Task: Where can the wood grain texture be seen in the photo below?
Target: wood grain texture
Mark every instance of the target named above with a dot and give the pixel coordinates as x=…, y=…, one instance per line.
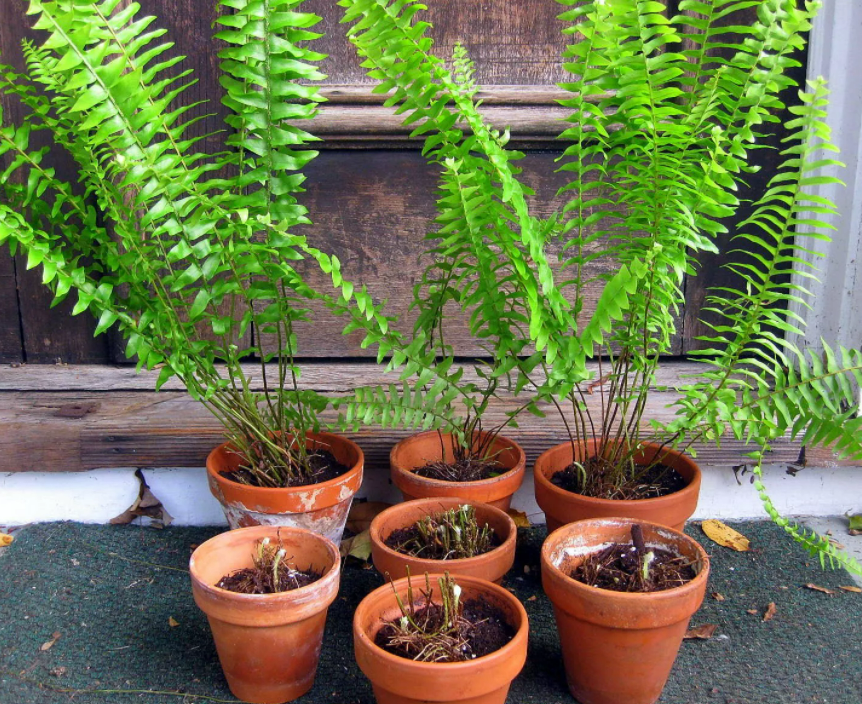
x=48, y=333
x=515, y=43
x=78, y=417
x=372, y=209
x=11, y=349
x=712, y=273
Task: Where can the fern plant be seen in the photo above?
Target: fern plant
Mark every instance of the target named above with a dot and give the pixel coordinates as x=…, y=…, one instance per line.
x=183, y=251
x=665, y=112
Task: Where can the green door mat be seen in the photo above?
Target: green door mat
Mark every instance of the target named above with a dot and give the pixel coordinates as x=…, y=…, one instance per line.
x=94, y=614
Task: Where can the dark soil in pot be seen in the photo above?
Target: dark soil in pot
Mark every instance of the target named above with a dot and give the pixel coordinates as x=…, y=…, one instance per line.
x=323, y=467
x=619, y=567
x=482, y=629
x=411, y=541
x=272, y=571
x=650, y=481
x=467, y=470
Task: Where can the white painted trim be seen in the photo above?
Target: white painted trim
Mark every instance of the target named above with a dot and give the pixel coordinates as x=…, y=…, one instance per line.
x=99, y=495
x=835, y=52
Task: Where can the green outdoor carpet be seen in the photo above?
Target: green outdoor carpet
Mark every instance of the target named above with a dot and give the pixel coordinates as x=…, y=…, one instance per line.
x=111, y=594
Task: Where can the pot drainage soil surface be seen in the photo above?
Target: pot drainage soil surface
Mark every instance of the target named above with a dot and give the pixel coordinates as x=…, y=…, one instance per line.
x=109, y=608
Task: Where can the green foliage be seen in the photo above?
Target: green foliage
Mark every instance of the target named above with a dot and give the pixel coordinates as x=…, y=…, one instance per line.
x=664, y=114
x=183, y=250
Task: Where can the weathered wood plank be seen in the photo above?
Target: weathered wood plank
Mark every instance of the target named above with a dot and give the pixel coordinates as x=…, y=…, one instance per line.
x=373, y=209
x=517, y=43
x=325, y=377
x=48, y=333
x=11, y=349
x=712, y=274
x=77, y=418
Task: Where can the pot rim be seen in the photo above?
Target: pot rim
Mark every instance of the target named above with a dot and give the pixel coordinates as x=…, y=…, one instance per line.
x=378, y=539
x=584, y=524
x=264, y=491
x=452, y=667
x=692, y=486
x=520, y=465
x=332, y=573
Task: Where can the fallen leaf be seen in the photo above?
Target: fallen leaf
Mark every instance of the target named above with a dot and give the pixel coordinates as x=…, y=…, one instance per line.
x=58, y=671
x=704, y=632
x=519, y=517
x=753, y=612
x=817, y=588
x=47, y=645
x=770, y=612
x=361, y=514
x=854, y=532
x=855, y=522
x=840, y=546
x=359, y=546
x=145, y=505
x=717, y=596
x=724, y=535
x=5, y=539
x=855, y=590
x=532, y=598
x=172, y=622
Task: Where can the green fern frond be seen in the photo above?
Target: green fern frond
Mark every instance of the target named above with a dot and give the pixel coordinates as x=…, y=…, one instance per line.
x=261, y=68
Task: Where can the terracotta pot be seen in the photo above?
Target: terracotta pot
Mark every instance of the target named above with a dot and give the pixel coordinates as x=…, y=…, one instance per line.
x=397, y=680
x=561, y=506
x=321, y=508
x=491, y=565
x=618, y=648
x=268, y=644
x=418, y=450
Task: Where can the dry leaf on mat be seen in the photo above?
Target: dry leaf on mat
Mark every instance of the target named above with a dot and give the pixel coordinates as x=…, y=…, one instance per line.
x=47, y=645
x=770, y=612
x=723, y=534
x=361, y=515
x=856, y=590
x=5, y=539
x=359, y=546
x=519, y=517
x=172, y=622
x=704, y=632
x=818, y=588
x=717, y=596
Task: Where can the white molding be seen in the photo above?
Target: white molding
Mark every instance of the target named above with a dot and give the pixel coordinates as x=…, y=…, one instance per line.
x=835, y=52
x=99, y=495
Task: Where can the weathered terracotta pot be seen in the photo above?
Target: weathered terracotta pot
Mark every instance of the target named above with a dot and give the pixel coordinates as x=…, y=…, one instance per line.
x=397, y=680
x=417, y=450
x=268, y=644
x=321, y=508
x=618, y=648
x=491, y=565
x=561, y=506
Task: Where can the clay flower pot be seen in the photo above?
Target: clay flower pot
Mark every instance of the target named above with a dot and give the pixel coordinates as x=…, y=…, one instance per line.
x=418, y=450
x=618, y=648
x=321, y=508
x=561, y=506
x=268, y=644
x=397, y=680
x=491, y=565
